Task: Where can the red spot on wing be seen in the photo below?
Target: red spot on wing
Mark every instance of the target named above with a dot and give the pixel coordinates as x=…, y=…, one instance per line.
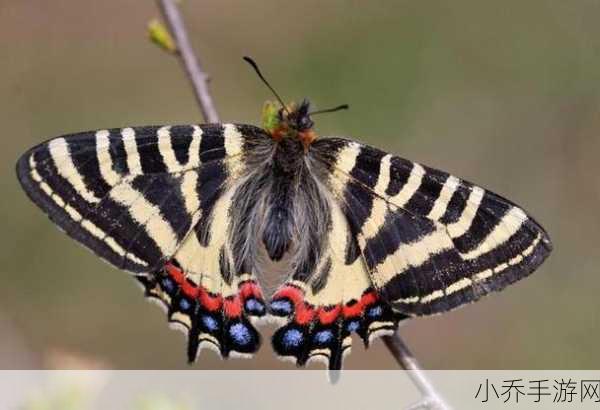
x=209, y=301
x=292, y=293
x=304, y=313
x=174, y=272
x=353, y=310
x=357, y=308
x=249, y=289
x=369, y=298
x=329, y=315
x=188, y=288
x=232, y=306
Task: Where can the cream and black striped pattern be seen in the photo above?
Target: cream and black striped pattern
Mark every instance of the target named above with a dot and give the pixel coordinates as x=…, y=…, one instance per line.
x=431, y=241
x=132, y=195
x=369, y=238
x=156, y=201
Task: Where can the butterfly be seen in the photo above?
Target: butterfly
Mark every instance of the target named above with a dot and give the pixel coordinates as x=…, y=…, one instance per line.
x=202, y=214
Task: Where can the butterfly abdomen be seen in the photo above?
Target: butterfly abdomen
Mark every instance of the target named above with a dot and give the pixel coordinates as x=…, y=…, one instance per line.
x=281, y=206
x=282, y=172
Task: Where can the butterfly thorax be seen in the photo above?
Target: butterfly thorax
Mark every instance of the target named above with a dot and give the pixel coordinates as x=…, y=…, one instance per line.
x=292, y=122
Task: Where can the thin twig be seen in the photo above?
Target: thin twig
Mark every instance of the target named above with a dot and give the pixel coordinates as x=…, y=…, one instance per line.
x=192, y=65
x=198, y=78
x=431, y=399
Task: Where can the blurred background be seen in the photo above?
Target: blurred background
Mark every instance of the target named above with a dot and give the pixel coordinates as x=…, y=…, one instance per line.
x=506, y=95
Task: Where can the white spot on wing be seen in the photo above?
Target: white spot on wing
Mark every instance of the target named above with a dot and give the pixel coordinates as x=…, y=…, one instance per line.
x=104, y=159
x=346, y=160
x=376, y=218
x=189, y=192
x=133, y=156
x=384, y=175
x=165, y=147
x=233, y=140
x=194, y=149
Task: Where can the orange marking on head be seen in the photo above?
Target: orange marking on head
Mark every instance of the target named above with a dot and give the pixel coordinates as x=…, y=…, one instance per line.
x=307, y=137
x=278, y=133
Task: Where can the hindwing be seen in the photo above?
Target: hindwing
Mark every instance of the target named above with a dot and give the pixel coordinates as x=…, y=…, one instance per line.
x=431, y=241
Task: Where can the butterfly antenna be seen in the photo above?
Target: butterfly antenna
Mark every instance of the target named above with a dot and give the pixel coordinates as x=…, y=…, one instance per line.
x=338, y=108
x=255, y=67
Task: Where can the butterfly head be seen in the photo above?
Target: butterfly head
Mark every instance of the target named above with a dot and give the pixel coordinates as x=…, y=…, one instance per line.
x=291, y=121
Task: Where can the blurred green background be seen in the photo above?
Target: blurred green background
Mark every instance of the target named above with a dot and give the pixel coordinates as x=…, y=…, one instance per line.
x=505, y=94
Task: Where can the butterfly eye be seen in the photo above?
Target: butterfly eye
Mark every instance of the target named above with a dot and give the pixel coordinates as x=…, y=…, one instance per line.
x=305, y=123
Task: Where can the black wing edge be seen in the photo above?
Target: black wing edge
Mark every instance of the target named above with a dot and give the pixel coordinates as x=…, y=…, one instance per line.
x=61, y=218
x=542, y=247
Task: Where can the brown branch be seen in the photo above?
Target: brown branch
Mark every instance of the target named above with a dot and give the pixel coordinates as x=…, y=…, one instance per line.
x=193, y=68
x=199, y=80
x=431, y=399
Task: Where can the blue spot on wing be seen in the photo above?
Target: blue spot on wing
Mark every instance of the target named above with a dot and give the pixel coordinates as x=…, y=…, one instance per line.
x=168, y=285
x=281, y=307
x=184, y=304
x=254, y=306
x=323, y=336
x=240, y=334
x=292, y=338
x=353, y=326
x=209, y=323
x=375, y=311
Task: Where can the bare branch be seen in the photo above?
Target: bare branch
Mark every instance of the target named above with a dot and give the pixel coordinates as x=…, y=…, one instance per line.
x=431, y=399
x=193, y=68
x=199, y=79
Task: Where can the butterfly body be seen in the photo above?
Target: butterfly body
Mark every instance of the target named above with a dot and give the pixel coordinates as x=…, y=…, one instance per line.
x=202, y=213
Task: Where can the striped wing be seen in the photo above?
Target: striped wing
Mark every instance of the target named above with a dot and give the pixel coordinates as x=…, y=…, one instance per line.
x=431, y=241
x=131, y=195
x=155, y=201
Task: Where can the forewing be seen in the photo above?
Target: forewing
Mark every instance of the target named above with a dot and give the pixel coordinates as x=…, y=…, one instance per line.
x=131, y=195
x=431, y=241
